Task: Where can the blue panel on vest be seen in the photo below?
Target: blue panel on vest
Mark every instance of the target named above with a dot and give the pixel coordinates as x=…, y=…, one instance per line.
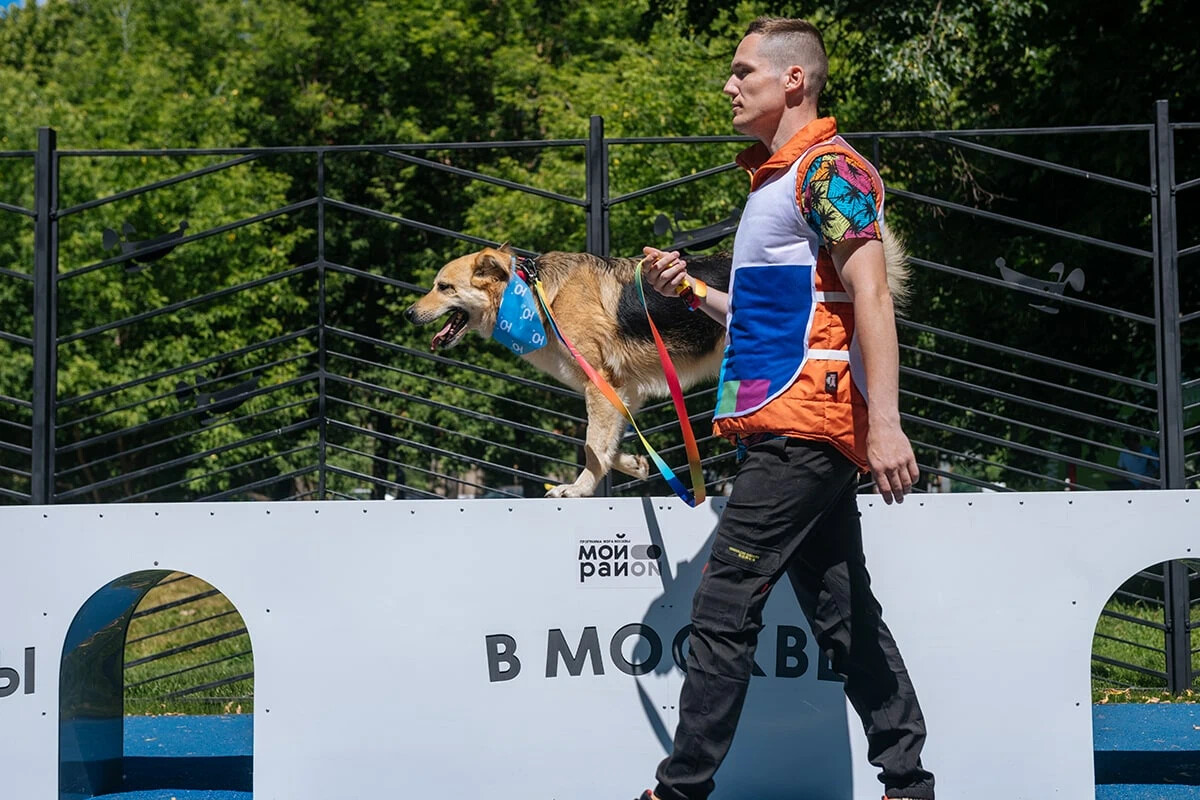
x=768, y=336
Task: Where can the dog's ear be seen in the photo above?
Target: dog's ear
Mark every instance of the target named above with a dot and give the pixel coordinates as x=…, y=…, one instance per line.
x=493, y=264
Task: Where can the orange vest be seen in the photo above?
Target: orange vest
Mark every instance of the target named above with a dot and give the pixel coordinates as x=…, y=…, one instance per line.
x=791, y=366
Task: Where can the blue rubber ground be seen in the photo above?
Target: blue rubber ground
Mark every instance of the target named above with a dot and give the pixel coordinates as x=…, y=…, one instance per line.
x=1143, y=752
x=1147, y=751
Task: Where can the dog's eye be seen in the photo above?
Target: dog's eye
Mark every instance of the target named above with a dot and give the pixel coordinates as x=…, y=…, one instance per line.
x=448, y=288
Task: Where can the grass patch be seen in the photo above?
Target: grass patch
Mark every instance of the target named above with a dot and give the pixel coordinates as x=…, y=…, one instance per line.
x=1138, y=645
x=191, y=655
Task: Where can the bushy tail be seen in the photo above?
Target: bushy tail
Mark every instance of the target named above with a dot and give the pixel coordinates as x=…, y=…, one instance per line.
x=898, y=269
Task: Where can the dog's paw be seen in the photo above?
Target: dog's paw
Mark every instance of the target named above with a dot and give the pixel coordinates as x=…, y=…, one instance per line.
x=569, y=490
x=634, y=466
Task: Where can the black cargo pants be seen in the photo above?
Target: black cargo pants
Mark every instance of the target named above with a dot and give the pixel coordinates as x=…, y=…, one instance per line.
x=793, y=509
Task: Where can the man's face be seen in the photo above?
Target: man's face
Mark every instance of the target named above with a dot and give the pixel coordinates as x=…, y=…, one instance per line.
x=756, y=90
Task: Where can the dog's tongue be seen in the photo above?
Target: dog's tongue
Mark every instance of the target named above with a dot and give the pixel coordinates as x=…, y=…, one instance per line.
x=437, y=337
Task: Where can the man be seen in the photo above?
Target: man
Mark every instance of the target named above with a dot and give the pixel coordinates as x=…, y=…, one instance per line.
x=811, y=336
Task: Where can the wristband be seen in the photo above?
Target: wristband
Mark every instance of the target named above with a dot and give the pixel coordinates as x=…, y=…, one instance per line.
x=692, y=293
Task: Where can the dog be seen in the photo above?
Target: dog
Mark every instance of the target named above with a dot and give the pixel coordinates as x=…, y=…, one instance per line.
x=596, y=304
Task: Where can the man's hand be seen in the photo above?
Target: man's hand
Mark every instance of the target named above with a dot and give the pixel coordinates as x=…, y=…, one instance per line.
x=893, y=465
x=665, y=270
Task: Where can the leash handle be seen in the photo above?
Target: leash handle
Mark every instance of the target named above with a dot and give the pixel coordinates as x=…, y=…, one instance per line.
x=693, y=497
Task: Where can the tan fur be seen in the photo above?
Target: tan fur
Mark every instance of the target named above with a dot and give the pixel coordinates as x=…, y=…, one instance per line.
x=583, y=292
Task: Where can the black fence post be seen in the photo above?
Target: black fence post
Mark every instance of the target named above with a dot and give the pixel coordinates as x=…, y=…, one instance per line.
x=1176, y=595
x=45, y=317
x=322, y=426
x=597, y=216
x=1166, y=279
x=597, y=189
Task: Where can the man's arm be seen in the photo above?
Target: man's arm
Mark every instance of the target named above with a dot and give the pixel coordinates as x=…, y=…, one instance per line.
x=665, y=270
x=860, y=263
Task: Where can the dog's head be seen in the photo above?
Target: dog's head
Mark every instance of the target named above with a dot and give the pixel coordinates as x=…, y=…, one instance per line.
x=469, y=289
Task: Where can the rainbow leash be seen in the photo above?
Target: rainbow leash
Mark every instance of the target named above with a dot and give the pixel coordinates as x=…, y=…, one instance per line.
x=694, y=496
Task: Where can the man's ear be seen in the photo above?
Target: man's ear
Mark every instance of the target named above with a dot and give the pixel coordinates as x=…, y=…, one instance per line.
x=493, y=264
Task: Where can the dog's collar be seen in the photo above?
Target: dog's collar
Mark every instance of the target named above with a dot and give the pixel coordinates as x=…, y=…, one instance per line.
x=525, y=268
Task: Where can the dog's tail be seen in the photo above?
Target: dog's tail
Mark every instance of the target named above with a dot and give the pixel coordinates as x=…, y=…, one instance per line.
x=899, y=271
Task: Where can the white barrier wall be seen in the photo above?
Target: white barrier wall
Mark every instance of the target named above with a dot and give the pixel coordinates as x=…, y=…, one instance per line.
x=524, y=649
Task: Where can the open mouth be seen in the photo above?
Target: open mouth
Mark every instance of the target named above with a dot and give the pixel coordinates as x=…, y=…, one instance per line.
x=452, y=332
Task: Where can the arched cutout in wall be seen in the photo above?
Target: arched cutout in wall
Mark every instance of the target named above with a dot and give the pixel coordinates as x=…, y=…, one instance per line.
x=1141, y=650
x=164, y=616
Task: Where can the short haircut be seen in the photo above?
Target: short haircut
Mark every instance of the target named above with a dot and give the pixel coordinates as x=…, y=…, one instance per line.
x=794, y=41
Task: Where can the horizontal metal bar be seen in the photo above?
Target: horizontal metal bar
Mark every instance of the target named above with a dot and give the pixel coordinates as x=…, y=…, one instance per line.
x=1050, y=165
x=184, y=648
x=411, y=223
x=359, y=476
x=440, y=451
x=22, y=497
x=1158, y=626
x=18, y=153
x=1137, y=645
x=483, y=178
x=318, y=149
x=1039, y=382
x=175, y=462
x=1019, y=223
x=1181, y=187
x=929, y=469
x=385, y=280
x=28, y=212
x=111, y=435
x=466, y=412
x=150, y=187
x=16, y=401
x=399, y=348
x=204, y=687
x=194, y=301
x=13, y=471
x=146, y=612
x=1016, y=398
x=1012, y=351
x=239, y=465
x=64, y=424
x=438, y=429
x=247, y=487
x=1004, y=443
x=1189, y=251
x=720, y=139
x=1016, y=287
x=1131, y=667
x=185, y=670
x=15, y=448
x=937, y=134
x=391, y=484
x=1007, y=468
x=671, y=184
x=469, y=389
x=12, y=273
x=177, y=628
x=194, y=237
x=24, y=341
x=241, y=351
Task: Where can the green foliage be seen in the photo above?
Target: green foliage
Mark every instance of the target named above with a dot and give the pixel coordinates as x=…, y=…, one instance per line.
x=223, y=73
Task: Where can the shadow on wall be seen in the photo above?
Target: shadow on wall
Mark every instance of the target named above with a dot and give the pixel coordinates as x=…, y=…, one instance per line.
x=92, y=757
x=795, y=711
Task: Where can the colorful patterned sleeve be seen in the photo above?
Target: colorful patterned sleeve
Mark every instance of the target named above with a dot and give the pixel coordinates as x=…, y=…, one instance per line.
x=840, y=199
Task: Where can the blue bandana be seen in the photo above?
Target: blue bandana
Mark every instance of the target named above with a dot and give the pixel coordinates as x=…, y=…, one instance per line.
x=518, y=324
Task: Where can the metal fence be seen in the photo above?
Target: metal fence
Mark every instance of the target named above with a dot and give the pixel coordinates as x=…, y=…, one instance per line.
x=210, y=324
